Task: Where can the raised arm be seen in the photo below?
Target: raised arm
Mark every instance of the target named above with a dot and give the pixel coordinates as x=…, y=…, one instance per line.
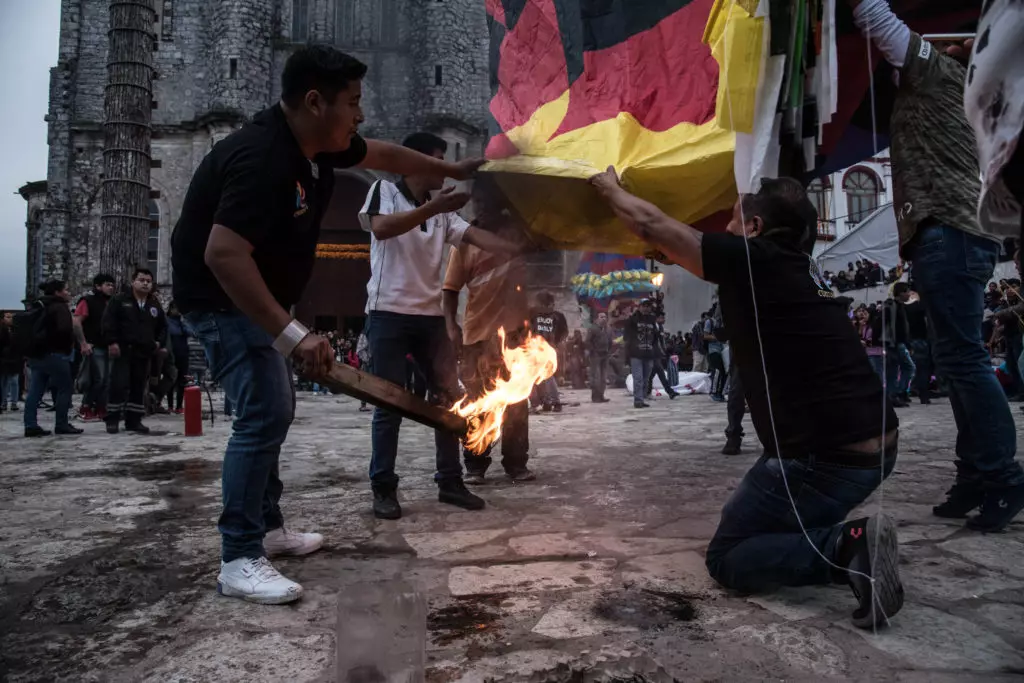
x=889, y=34
x=680, y=242
x=387, y=225
x=387, y=156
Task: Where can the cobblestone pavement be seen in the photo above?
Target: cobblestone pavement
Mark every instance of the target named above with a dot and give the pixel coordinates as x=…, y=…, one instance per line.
x=109, y=557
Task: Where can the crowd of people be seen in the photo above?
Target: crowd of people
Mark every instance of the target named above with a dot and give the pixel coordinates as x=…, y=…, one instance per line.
x=863, y=273
x=123, y=352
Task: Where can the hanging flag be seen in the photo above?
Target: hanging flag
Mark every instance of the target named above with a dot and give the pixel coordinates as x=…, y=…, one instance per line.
x=579, y=86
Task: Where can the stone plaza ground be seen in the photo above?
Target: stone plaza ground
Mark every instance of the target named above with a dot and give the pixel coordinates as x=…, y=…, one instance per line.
x=594, y=572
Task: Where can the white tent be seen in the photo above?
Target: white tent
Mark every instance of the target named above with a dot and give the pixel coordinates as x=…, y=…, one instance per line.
x=875, y=239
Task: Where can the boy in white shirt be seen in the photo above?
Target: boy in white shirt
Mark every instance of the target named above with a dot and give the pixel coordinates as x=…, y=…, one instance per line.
x=413, y=225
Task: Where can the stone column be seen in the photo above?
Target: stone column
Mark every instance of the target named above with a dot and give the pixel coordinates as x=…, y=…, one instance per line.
x=127, y=133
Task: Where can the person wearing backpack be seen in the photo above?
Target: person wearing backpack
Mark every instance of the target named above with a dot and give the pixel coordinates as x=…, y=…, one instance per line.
x=46, y=332
x=11, y=365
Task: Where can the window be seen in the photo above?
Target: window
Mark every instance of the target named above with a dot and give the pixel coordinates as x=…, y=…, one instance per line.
x=437, y=75
x=344, y=22
x=389, y=22
x=233, y=68
x=167, y=20
x=153, y=238
x=458, y=151
x=862, y=189
x=300, y=21
x=820, y=194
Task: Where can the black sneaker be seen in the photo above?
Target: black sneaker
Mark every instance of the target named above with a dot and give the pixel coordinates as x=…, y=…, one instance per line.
x=960, y=499
x=600, y=400
x=138, y=428
x=15, y=408
x=557, y=407
x=870, y=546
x=520, y=474
x=67, y=429
x=112, y=428
x=455, y=493
x=732, y=445
x=546, y=408
x=385, y=503
x=672, y=395
x=641, y=405
x=32, y=432
x=998, y=509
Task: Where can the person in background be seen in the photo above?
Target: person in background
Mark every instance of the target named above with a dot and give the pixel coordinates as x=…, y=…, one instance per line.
x=900, y=366
x=936, y=185
x=661, y=359
x=716, y=360
x=11, y=366
x=920, y=349
x=640, y=335
x=698, y=345
x=94, y=377
x=49, y=361
x=132, y=325
x=599, y=346
x=550, y=324
x=178, y=338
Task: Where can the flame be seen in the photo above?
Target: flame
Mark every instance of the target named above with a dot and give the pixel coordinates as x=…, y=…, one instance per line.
x=533, y=361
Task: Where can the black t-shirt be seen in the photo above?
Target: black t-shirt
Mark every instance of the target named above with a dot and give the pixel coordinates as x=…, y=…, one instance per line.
x=824, y=393
x=641, y=335
x=551, y=325
x=258, y=183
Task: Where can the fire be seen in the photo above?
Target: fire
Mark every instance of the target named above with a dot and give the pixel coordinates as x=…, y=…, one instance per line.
x=532, y=362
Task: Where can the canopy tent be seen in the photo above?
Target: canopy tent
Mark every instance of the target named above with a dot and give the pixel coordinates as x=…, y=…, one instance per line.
x=873, y=239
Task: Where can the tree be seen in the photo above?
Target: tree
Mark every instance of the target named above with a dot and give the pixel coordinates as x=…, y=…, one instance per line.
x=128, y=114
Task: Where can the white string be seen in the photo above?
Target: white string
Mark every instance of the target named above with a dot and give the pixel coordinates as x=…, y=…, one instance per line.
x=764, y=367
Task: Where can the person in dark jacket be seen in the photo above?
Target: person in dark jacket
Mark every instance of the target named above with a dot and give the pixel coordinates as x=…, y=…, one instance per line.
x=640, y=334
x=132, y=324
x=661, y=359
x=599, y=345
x=179, y=352
x=11, y=366
x=50, y=360
x=94, y=376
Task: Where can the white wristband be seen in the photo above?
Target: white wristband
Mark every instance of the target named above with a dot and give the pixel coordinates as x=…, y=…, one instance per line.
x=290, y=337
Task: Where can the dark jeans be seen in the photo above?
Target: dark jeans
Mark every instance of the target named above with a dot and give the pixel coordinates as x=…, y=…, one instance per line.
x=177, y=402
x=951, y=269
x=598, y=377
x=759, y=544
x=482, y=362
x=10, y=392
x=129, y=382
x=95, y=378
x=737, y=406
x=391, y=336
x=52, y=371
x=716, y=365
x=921, y=352
x=258, y=382
x=659, y=370
x=1014, y=347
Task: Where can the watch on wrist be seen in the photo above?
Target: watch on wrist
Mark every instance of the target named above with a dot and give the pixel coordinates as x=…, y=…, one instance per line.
x=290, y=337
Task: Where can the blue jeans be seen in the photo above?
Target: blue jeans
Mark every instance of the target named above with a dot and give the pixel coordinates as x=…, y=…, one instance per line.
x=52, y=371
x=96, y=375
x=641, y=369
x=899, y=370
x=921, y=352
x=9, y=390
x=391, y=337
x=258, y=382
x=951, y=269
x=759, y=544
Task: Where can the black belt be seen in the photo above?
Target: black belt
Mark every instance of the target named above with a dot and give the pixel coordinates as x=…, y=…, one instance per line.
x=851, y=459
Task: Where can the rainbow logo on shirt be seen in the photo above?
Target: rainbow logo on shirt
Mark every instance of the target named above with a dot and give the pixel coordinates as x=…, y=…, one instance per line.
x=301, y=206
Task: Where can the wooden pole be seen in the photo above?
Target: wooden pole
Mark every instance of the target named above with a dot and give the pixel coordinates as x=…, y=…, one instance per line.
x=345, y=379
x=128, y=115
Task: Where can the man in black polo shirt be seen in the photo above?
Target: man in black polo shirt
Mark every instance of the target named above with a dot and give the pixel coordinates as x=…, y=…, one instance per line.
x=242, y=253
x=818, y=407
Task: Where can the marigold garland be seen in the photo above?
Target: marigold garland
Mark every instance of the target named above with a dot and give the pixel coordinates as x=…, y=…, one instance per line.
x=343, y=251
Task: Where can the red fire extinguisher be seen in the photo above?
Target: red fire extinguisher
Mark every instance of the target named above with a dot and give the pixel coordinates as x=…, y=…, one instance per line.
x=193, y=411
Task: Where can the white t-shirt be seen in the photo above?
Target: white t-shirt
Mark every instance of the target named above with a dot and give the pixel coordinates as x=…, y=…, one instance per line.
x=407, y=272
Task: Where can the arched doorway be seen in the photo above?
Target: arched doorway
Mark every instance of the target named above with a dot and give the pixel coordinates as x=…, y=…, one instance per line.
x=335, y=298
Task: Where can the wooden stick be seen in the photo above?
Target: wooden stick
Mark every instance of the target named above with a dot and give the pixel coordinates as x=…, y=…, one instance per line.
x=345, y=379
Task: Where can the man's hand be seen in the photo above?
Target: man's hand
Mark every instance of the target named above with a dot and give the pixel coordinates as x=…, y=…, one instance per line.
x=464, y=170
x=85, y=348
x=448, y=200
x=606, y=182
x=313, y=356
x=114, y=350
x=455, y=334
x=961, y=52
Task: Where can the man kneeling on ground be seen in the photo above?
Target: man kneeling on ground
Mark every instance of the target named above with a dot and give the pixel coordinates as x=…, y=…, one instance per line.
x=827, y=441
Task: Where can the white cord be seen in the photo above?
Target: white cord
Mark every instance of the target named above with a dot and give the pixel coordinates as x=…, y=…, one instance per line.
x=764, y=366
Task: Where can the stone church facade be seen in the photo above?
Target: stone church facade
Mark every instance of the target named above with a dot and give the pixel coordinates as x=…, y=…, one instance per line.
x=218, y=62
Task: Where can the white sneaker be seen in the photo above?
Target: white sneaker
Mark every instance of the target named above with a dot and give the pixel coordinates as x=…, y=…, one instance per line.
x=284, y=542
x=255, y=579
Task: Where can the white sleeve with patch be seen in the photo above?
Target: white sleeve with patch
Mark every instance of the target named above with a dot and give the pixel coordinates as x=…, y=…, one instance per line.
x=454, y=228
x=876, y=20
x=380, y=201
